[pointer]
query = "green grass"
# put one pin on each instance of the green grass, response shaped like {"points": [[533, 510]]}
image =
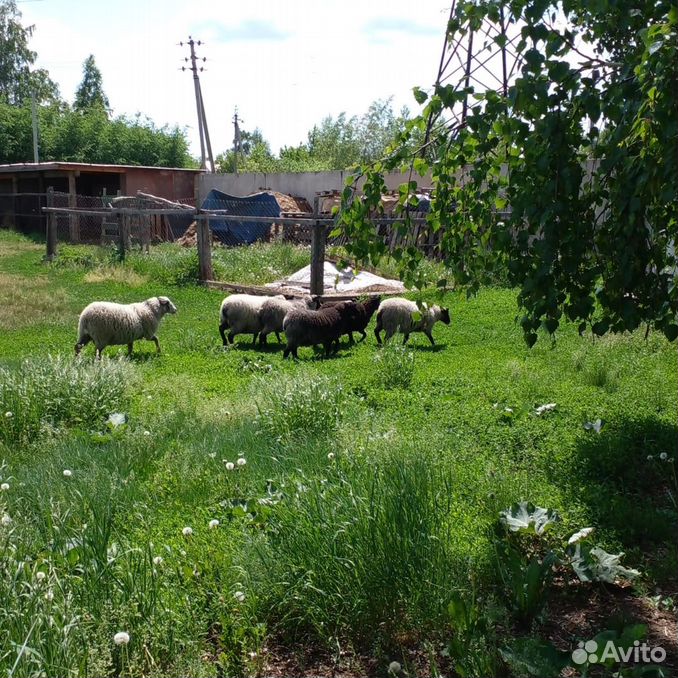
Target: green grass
{"points": [[371, 485]]}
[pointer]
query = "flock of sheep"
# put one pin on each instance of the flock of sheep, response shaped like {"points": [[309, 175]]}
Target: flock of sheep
{"points": [[304, 321]]}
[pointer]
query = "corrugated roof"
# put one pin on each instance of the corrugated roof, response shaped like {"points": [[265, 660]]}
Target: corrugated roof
{"points": [[83, 167]]}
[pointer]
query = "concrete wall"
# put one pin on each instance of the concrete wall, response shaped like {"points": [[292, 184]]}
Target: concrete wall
{"points": [[302, 184]]}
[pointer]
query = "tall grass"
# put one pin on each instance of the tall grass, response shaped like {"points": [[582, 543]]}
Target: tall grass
{"points": [[361, 552], [55, 391]]}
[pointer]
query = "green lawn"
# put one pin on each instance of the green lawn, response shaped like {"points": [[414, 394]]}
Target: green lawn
{"points": [[368, 500]]}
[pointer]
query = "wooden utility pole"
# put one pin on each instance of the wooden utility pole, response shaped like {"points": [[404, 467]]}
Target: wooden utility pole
{"points": [[207, 159], [204, 241]]}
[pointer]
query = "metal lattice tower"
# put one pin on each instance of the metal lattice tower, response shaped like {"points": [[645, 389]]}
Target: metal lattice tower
{"points": [[481, 56]]}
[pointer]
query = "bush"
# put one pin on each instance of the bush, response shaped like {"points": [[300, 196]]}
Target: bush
{"points": [[299, 406], [53, 392], [395, 366]]}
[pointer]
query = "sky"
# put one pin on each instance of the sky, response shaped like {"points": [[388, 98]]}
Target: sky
{"points": [[285, 64]]}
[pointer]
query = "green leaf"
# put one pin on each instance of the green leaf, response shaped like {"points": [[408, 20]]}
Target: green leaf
{"points": [[595, 564], [525, 516], [419, 95]]}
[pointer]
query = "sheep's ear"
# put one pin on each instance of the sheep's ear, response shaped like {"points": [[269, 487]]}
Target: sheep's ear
{"points": [[164, 301]]}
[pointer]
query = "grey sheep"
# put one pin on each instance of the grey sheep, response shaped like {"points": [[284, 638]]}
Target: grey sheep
{"points": [[274, 310], [109, 324], [240, 313], [305, 327], [396, 315]]}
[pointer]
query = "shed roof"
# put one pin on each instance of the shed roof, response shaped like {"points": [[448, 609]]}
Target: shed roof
{"points": [[83, 167]]}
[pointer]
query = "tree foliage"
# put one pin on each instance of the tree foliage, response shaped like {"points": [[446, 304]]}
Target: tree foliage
{"points": [[334, 144], [90, 93], [17, 81], [68, 135], [582, 148]]}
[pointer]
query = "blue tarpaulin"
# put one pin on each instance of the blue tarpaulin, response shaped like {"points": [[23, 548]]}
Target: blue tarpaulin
{"points": [[233, 232]]}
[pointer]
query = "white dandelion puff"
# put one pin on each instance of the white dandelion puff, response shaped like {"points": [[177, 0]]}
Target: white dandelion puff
{"points": [[663, 456], [187, 531], [239, 596], [214, 523], [330, 455], [67, 473], [394, 667], [157, 560], [147, 433], [40, 576], [4, 487], [241, 461], [9, 415], [121, 638], [230, 465], [5, 520]]}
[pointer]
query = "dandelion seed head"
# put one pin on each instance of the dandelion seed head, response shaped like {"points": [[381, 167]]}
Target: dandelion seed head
{"points": [[330, 455], [121, 638], [663, 456], [40, 576], [214, 523], [239, 596], [187, 531], [241, 461], [394, 667], [230, 465], [147, 433], [9, 415], [4, 487], [157, 560], [5, 520], [67, 473]]}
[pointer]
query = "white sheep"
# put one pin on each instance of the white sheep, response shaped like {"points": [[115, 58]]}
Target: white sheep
{"points": [[274, 310], [241, 314], [396, 315], [109, 324]]}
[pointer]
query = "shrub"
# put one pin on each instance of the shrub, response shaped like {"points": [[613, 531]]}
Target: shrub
{"points": [[395, 365], [298, 406]]}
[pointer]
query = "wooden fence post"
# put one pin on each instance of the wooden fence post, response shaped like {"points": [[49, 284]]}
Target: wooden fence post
{"points": [[51, 235], [318, 236], [73, 218], [204, 240]]}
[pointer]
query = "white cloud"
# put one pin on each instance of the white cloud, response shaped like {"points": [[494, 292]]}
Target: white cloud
{"points": [[284, 65]]}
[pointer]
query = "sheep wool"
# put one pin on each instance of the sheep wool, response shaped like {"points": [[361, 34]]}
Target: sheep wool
{"points": [[396, 315], [274, 310], [109, 324], [305, 327], [241, 314], [359, 319]]}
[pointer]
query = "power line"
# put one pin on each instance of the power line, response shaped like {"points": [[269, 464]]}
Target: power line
{"points": [[205, 144]]}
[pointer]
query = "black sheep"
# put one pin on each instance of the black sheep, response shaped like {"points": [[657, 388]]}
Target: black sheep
{"points": [[304, 327], [359, 315]]}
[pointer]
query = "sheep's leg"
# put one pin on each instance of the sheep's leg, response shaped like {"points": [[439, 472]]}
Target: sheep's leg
{"points": [[231, 337], [263, 338], [350, 338], [82, 341], [222, 329], [277, 336], [377, 329], [430, 337], [405, 338], [130, 347], [364, 335], [99, 353], [254, 338], [157, 343], [328, 347]]}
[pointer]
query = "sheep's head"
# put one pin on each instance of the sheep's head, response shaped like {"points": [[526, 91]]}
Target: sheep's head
{"points": [[166, 306], [445, 315]]}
